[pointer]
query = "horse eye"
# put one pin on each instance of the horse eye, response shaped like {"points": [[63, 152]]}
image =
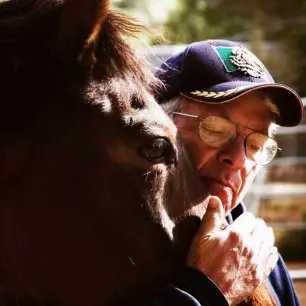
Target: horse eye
{"points": [[159, 150], [137, 103]]}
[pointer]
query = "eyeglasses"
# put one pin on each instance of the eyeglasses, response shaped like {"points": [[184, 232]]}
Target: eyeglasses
{"points": [[218, 132]]}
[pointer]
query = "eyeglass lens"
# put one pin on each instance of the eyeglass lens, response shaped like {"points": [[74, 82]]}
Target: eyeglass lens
{"points": [[217, 131]]}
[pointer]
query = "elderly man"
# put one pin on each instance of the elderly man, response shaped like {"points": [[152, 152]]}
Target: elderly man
{"points": [[227, 108]]}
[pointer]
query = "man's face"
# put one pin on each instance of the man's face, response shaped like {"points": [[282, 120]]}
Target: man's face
{"points": [[226, 172]]}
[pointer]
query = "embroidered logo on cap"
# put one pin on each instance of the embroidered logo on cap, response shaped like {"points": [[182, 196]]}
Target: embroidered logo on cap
{"points": [[237, 58]]}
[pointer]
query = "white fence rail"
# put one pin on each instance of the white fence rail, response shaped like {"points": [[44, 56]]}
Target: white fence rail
{"points": [[298, 274]]}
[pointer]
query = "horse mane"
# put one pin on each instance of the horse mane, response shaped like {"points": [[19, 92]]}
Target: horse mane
{"points": [[36, 58]]}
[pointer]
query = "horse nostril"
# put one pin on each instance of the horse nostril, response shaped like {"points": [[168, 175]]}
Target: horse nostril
{"points": [[159, 150]]}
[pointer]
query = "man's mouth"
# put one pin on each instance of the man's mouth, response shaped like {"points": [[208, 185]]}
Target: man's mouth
{"points": [[221, 183], [225, 184]]}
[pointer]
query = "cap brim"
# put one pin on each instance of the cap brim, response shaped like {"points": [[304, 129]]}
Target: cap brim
{"points": [[286, 99]]}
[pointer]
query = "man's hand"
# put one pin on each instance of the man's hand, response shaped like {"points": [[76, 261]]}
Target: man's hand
{"points": [[236, 258]]}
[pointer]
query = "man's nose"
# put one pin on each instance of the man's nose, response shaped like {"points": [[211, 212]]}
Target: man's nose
{"points": [[234, 153]]}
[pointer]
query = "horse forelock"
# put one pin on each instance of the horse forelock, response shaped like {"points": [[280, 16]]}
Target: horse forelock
{"points": [[35, 24], [115, 60], [36, 70]]}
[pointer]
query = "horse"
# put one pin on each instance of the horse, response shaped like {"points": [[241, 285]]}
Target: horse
{"points": [[88, 158], [98, 199]]}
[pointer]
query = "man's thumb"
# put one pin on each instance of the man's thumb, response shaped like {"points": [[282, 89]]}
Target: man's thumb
{"points": [[214, 216]]}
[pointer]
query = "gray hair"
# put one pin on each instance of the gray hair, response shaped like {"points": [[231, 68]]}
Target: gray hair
{"points": [[266, 100], [173, 104]]}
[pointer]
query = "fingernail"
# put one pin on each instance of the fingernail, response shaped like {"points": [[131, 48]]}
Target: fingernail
{"points": [[213, 202]]}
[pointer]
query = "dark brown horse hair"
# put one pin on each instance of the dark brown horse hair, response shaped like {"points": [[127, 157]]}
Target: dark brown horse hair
{"points": [[27, 25]]}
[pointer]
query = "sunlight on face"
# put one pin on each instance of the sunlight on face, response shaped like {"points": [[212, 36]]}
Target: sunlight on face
{"points": [[226, 172]]}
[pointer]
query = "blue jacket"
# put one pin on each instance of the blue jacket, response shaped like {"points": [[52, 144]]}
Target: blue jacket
{"points": [[194, 289]]}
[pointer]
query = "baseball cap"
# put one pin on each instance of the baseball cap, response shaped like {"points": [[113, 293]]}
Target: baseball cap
{"points": [[217, 71]]}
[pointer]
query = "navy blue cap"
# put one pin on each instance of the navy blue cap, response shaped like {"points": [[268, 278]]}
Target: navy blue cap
{"points": [[217, 71]]}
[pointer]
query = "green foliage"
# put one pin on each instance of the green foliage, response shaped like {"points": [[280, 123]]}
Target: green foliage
{"points": [[150, 13], [187, 24], [275, 30]]}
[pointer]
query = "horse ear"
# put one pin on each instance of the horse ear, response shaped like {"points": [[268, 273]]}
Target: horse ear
{"points": [[80, 22]]}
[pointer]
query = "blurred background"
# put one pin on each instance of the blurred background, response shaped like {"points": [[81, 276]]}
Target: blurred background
{"points": [[276, 32]]}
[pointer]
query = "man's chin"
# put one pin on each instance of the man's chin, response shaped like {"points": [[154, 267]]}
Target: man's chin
{"points": [[224, 193], [226, 200]]}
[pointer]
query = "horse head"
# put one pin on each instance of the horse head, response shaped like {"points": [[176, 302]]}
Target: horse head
{"points": [[96, 188]]}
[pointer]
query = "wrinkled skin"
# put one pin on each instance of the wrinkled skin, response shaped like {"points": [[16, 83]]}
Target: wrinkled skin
{"points": [[243, 255]]}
